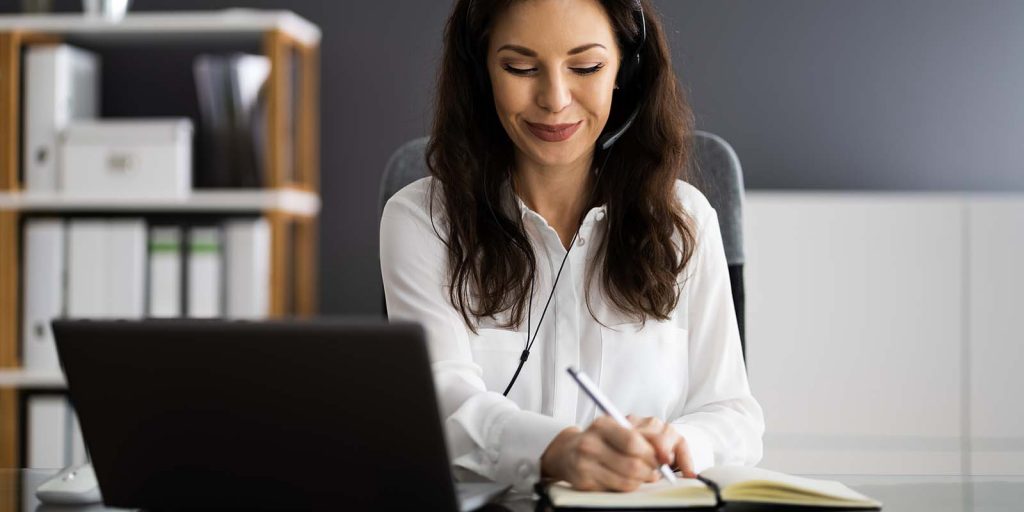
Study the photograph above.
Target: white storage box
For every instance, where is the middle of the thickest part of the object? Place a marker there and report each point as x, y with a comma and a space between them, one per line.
127, 158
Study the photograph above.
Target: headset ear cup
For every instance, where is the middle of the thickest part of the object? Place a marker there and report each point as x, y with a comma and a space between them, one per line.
630, 68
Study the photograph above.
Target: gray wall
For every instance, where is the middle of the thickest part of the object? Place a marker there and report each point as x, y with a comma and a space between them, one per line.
859, 94
813, 94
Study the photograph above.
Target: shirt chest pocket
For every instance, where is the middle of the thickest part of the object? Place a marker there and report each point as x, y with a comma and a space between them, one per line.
497, 352
644, 367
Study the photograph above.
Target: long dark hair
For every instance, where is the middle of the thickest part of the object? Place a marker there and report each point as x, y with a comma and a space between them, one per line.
491, 263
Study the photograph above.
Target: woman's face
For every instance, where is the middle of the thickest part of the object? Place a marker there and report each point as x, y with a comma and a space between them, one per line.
553, 62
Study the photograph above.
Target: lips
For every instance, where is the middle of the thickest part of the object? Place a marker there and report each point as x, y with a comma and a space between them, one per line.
553, 132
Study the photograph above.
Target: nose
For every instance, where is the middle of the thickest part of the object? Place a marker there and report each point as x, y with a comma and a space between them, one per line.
554, 94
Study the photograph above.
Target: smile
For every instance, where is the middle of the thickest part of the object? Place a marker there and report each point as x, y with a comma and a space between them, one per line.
553, 133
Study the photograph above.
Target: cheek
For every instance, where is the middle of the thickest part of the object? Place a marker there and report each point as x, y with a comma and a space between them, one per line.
503, 103
598, 103
509, 97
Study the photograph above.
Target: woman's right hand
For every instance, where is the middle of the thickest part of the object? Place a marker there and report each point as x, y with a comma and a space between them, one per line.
606, 456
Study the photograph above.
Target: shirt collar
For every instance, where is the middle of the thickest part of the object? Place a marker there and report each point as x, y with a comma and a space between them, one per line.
511, 202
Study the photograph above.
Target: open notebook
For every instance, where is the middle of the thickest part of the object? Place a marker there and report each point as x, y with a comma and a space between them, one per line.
735, 484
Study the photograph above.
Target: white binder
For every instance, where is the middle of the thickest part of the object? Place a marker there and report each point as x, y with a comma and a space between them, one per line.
126, 264
54, 436
61, 85
106, 268
48, 424
247, 254
205, 281
165, 272
43, 292
87, 268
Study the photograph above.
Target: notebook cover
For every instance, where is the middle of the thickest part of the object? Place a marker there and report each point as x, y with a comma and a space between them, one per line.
545, 504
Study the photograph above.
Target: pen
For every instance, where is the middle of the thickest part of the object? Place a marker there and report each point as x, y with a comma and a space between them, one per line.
605, 405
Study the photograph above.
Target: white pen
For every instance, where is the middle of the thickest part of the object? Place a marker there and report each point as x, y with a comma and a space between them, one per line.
605, 405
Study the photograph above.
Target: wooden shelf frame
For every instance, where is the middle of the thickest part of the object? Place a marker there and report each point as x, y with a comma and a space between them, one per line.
294, 161
293, 166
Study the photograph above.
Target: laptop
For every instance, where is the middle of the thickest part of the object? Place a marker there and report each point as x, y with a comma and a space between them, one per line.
202, 414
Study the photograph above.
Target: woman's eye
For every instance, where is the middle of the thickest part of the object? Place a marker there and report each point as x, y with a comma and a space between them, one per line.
529, 71
588, 71
518, 71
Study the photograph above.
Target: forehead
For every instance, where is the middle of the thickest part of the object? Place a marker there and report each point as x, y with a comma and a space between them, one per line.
553, 27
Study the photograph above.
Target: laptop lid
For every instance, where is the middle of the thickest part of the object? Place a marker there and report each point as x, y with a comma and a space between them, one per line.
187, 414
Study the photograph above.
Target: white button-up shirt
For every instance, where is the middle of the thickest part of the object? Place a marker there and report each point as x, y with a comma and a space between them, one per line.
687, 370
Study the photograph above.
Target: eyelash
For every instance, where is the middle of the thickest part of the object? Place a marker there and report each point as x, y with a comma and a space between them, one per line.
579, 71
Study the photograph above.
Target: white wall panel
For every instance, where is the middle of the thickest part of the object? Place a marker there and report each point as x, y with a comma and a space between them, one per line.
996, 317
854, 330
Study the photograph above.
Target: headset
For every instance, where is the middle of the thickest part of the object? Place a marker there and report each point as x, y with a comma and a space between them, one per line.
628, 85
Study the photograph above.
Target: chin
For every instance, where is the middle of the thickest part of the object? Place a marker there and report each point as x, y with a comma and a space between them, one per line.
556, 155
556, 160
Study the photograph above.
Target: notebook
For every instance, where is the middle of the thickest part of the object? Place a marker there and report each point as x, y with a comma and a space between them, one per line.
713, 487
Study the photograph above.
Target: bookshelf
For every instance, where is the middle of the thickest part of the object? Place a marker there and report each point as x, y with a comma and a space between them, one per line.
29, 379
289, 200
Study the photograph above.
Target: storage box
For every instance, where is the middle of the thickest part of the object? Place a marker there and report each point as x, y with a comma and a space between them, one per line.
127, 157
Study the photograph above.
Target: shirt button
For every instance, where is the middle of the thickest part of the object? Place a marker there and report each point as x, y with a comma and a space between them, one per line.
600, 215
580, 241
524, 470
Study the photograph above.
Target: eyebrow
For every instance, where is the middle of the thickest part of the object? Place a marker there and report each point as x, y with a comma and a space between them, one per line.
530, 53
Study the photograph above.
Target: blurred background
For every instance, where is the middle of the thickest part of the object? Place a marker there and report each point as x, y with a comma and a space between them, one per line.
880, 143
884, 95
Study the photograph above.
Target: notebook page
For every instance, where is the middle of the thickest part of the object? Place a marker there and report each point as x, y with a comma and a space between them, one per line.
726, 476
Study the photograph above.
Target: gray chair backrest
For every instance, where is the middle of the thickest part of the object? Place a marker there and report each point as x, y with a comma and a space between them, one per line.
717, 167
716, 162
720, 177
407, 164
721, 180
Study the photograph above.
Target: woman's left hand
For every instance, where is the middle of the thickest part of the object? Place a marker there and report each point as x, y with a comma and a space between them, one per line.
669, 446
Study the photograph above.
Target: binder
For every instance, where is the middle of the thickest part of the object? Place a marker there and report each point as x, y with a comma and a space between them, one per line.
43, 291
247, 76
106, 268
214, 167
247, 253
87, 268
126, 268
47, 429
232, 110
205, 271
54, 436
61, 85
165, 272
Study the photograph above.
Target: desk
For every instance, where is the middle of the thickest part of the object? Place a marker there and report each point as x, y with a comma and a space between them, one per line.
897, 493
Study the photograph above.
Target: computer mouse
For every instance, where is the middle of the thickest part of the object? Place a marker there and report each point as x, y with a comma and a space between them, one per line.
75, 485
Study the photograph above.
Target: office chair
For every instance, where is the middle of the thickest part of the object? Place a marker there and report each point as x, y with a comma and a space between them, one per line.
717, 168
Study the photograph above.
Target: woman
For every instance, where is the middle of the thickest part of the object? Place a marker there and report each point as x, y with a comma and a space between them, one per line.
530, 234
